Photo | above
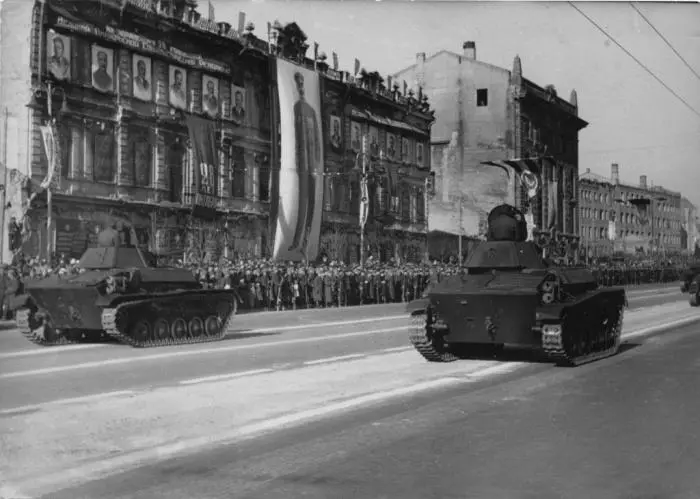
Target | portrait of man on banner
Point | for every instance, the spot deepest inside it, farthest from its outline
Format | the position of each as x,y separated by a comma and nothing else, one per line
102,68
301,179
356,137
391,146
238,107
335,133
374,140
59,55
143,84
210,95
178,87
419,154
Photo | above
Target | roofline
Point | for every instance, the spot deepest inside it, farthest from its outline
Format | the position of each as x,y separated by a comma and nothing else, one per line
454,54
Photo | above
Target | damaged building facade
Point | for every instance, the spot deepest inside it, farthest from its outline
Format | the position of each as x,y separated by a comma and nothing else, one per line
488,113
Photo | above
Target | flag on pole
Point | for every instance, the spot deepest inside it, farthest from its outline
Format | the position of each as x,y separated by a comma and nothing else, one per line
553,204
335,61
388,82
315,55
241,22
357,66
405,88
212,17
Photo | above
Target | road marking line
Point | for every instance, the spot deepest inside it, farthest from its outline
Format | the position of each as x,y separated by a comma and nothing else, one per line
396,349
67,348
46,350
335,359
222,377
666,325
73,400
100,468
188,353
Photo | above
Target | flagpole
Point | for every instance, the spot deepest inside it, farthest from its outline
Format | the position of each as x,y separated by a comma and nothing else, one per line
4,186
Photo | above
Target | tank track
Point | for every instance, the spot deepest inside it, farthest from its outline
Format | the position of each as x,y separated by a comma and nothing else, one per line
37,335
111,326
563,351
430,346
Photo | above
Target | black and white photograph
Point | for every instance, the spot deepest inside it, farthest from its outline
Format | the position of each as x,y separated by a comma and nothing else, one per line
102,68
350,250
58,53
210,96
355,136
238,103
335,132
143,79
177,90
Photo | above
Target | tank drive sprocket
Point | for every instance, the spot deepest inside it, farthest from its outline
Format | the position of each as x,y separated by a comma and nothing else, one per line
39,331
426,335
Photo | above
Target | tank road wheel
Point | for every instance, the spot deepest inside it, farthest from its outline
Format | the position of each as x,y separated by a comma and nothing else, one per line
212,326
141,332
429,342
178,329
196,327
161,330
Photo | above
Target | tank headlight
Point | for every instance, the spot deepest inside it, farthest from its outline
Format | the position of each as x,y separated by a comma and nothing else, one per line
111,285
547,298
548,286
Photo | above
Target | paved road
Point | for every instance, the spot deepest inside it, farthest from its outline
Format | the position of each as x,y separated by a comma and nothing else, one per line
31,375
625,427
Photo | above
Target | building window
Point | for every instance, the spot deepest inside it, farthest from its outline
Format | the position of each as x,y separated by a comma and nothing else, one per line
405,204
238,171
141,156
264,181
103,156
420,206
482,97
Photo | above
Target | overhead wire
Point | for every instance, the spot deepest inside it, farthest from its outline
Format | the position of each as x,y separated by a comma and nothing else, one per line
665,40
640,63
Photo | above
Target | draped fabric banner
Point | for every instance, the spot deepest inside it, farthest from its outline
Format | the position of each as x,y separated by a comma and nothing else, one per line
52,147
203,137
301,164
364,203
553,204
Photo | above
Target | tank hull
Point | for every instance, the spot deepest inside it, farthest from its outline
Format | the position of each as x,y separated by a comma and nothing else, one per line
449,326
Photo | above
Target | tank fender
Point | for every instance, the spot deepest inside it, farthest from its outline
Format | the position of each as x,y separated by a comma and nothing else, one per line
417,307
20,301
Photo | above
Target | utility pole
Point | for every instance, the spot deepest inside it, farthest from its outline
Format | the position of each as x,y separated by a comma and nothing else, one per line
4,185
460,144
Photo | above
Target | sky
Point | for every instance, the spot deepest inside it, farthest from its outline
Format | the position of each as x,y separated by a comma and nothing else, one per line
633,120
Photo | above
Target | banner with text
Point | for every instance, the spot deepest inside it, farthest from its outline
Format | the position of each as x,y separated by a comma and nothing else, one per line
301,164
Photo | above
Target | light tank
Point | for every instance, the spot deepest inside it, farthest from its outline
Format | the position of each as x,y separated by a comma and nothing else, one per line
690,283
509,295
121,293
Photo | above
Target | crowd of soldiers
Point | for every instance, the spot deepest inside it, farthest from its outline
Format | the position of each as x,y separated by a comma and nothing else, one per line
274,285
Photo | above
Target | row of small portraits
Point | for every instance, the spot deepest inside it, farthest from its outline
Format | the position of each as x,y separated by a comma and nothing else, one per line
102,70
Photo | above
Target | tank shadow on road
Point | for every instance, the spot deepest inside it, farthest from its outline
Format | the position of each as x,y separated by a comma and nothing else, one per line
514,354
243,333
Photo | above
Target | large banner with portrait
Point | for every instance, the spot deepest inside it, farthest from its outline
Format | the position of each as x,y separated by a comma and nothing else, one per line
301,164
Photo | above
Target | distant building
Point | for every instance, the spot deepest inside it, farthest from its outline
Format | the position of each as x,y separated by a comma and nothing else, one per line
690,219
617,217
488,113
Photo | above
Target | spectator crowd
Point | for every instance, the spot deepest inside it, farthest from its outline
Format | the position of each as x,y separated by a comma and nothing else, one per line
274,285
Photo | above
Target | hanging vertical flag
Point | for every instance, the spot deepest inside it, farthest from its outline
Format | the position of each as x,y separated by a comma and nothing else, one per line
269,36
335,61
315,55
405,88
52,147
212,16
612,233
553,204
357,66
241,22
